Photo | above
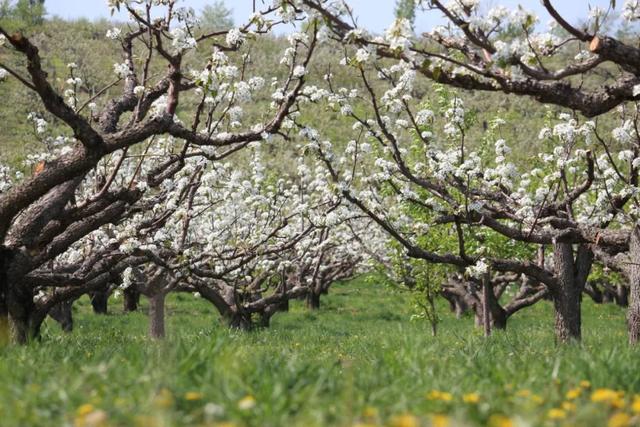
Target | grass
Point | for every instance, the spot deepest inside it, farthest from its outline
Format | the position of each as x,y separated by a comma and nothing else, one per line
358,360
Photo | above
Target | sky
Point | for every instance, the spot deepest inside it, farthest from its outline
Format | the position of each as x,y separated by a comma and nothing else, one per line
375,15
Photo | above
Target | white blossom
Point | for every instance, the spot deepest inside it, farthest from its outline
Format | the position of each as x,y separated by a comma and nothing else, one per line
299,71
114,33
234,37
478,269
138,91
182,40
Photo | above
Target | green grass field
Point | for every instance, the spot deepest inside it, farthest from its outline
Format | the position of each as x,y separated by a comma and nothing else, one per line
358,361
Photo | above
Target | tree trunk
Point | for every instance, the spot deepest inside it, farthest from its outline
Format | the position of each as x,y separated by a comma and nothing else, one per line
571,277
19,322
284,305
313,301
478,317
497,314
461,307
24,320
457,304
5,335
433,318
131,299
24,328
487,291
63,314
266,314
594,292
99,300
239,321
633,313
498,317
156,315
622,296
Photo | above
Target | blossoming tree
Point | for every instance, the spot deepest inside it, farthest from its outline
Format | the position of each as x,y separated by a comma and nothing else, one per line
577,197
133,135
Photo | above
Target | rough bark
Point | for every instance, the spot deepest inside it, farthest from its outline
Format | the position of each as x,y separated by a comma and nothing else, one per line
487,292
5,254
607,296
313,301
284,305
24,320
156,315
99,301
63,314
594,292
622,295
460,307
633,314
571,275
131,299
265,320
239,320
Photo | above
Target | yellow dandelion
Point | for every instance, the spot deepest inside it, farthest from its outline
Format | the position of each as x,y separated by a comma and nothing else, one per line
574,393
603,395
404,420
537,399
85,409
635,406
440,420
247,402
145,421
612,397
556,414
439,395
471,398
370,412
618,403
96,419
497,420
193,395
619,419
523,393
164,398
569,406
585,384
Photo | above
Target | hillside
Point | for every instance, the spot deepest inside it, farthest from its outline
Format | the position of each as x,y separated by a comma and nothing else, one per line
84,43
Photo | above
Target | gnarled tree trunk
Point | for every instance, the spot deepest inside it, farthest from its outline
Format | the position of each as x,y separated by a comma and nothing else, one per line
571,275
497,314
21,321
238,320
313,300
622,295
63,314
99,301
633,313
156,315
5,255
487,293
131,299
24,319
